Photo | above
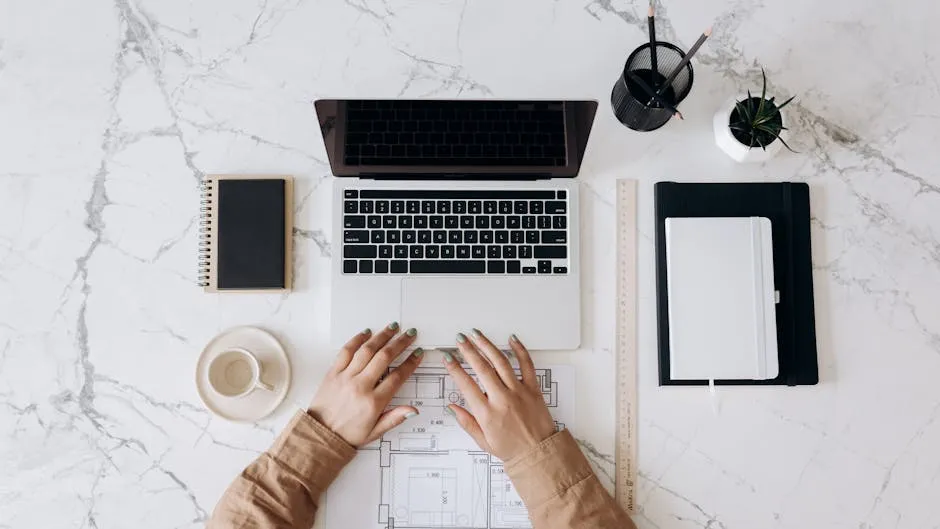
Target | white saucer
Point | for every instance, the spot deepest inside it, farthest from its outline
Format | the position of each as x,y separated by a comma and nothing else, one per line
275,368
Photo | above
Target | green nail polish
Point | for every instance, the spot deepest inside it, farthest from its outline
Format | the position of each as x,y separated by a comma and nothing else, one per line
393,326
419,352
449,358
461,337
412,332
476,332
367,331
410,414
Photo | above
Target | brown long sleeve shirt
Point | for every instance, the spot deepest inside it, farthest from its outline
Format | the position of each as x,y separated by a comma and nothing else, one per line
282,488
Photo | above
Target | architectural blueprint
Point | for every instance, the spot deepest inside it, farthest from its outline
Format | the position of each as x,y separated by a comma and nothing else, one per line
427,473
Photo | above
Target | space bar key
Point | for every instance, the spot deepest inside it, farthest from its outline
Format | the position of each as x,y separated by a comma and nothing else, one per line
448,267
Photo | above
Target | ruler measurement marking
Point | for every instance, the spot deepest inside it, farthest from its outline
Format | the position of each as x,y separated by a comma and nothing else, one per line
625,457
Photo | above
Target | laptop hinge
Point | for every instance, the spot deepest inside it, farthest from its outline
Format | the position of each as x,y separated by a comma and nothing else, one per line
455,176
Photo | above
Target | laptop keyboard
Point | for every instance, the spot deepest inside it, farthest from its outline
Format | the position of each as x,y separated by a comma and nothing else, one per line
455,133
455,232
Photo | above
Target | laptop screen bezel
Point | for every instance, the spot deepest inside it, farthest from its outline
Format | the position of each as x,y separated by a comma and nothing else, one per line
579,119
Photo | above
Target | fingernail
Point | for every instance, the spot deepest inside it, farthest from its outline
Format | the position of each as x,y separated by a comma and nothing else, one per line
449,358
409,415
513,337
419,352
461,337
450,411
367,331
412,332
508,353
393,326
476,332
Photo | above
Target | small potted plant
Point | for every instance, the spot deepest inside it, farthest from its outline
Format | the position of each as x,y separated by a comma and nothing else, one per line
751,129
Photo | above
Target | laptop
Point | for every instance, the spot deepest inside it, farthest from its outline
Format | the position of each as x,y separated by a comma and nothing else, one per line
457,214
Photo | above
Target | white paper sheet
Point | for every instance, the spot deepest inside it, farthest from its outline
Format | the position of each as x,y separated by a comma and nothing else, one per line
428,473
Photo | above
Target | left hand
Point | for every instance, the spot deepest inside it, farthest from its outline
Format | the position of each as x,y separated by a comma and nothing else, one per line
352,399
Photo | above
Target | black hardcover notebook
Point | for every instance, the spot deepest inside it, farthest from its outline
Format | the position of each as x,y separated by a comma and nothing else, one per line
246,233
787,206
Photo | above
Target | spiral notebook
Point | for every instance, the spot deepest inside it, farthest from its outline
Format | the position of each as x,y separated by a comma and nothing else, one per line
246,227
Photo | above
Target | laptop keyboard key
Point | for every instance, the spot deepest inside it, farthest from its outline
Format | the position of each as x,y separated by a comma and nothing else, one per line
553,207
382,206
375,221
475,207
528,222
453,266
354,221
489,207
443,206
359,251
437,221
478,251
525,252
513,222
366,206
493,252
505,207
356,236
454,237
463,252
554,237
551,252
398,206
483,223
409,237
495,267
385,251
399,267
460,207
531,237
536,207
528,270
516,237
427,207
520,207
560,222
498,222
351,206
413,206
502,237
365,267
451,222
424,237
378,237
560,270
421,222
405,221
486,237
545,267
545,222
432,252
401,252
381,267
350,193
349,267
440,236
509,252
513,267
447,252
393,236
417,252
471,237
466,222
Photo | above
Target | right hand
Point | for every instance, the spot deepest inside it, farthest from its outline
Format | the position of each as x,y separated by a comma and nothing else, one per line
511,417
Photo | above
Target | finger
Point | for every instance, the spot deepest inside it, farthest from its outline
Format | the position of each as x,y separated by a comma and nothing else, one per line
365,353
470,425
529,378
496,357
393,382
468,387
390,419
487,375
346,352
380,362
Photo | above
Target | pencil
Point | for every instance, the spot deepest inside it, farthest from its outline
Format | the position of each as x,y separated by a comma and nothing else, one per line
685,61
654,59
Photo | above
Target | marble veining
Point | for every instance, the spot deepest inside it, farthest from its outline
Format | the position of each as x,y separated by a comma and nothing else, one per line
112,111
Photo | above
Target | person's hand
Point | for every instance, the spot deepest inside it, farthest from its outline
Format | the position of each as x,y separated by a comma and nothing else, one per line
351,400
511,416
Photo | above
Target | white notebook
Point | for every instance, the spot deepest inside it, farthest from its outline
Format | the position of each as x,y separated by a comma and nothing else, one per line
722,317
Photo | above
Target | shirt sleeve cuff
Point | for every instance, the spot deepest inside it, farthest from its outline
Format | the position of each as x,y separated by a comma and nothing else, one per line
312,450
548,469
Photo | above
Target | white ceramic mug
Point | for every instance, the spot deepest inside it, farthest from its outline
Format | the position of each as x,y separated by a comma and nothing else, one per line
236,372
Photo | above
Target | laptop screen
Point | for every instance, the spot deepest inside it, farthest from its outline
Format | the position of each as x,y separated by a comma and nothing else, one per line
455,138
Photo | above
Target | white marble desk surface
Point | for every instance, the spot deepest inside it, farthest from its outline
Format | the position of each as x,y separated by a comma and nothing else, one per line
111,110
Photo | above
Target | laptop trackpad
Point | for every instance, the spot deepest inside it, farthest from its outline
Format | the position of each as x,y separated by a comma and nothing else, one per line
441,307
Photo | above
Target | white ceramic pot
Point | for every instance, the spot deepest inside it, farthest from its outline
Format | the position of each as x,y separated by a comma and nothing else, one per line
734,148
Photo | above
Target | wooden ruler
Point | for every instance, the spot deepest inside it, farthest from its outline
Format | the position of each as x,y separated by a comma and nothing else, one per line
626,352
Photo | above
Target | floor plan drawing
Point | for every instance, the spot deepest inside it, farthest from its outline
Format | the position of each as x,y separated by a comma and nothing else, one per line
428,473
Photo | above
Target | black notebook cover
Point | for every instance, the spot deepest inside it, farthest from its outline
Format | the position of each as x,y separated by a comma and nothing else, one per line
787,206
246,226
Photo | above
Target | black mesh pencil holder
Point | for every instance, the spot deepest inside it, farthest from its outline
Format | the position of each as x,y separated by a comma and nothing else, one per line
631,97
